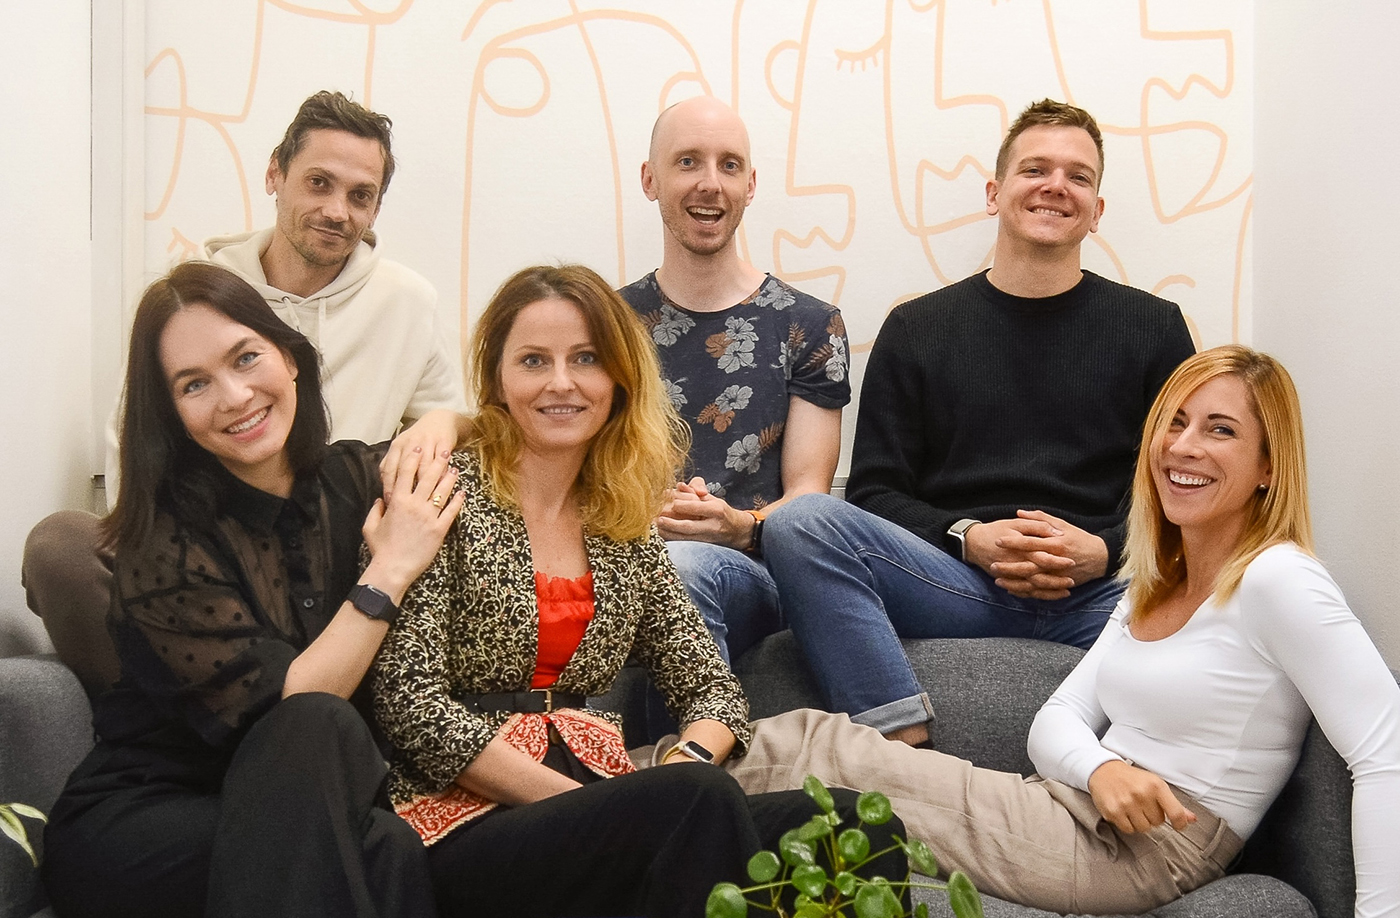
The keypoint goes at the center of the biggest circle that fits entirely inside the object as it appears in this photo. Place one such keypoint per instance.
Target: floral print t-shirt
(730, 374)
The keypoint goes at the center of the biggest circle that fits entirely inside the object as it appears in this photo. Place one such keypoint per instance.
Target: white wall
(1326, 246)
(46, 349)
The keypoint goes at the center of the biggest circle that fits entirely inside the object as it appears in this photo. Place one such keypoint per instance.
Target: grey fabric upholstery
(1230, 897)
(45, 730)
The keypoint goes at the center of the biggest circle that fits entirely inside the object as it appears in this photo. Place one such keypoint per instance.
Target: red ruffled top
(566, 608)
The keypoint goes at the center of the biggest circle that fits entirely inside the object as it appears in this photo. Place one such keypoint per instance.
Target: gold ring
(437, 501)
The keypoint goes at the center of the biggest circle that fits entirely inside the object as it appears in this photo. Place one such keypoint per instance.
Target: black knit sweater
(976, 403)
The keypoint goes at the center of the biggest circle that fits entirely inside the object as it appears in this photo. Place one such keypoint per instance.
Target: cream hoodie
(384, 358)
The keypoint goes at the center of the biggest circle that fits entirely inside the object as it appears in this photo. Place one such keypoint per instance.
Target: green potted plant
(839, 891)
(11, 825)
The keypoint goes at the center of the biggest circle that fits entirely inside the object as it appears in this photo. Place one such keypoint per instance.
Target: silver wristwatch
(959, 533)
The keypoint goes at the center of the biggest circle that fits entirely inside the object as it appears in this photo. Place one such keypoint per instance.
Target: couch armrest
(45, 730)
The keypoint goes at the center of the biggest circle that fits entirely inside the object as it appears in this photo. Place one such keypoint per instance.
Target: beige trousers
(1027, 840)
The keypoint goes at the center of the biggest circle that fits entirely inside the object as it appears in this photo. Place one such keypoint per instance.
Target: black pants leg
(124, 845)
(653, 843)
(299, 833)
(293, 832)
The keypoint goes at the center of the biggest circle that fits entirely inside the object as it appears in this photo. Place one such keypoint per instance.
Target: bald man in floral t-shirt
(758, 369)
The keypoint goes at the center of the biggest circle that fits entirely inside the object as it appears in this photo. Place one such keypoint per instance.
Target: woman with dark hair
(231, 775)
(552, 578)
(1161, 751)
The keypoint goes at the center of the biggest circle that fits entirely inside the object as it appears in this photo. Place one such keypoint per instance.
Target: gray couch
(985, 692)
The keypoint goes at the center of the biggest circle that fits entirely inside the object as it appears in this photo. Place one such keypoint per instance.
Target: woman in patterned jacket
(551, 579)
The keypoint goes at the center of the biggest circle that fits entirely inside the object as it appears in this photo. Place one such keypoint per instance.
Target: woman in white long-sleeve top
(1163, 749)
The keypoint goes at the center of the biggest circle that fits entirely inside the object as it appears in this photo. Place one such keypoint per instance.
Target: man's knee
(68, 583)
(58, 545)
(806, 518)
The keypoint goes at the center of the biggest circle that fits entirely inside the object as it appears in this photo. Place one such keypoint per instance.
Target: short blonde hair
(1154, 564)
(643, 444)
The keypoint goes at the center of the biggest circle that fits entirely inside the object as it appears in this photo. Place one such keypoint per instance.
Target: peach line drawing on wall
(498, 47)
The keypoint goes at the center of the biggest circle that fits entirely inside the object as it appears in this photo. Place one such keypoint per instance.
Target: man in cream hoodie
(374, 321)
(384, 358)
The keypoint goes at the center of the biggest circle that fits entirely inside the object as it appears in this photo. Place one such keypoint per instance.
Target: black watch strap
(373, 602)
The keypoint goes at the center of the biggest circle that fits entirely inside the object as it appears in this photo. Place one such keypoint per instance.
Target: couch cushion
(45, 730)
(1232, 896)
(985, 691)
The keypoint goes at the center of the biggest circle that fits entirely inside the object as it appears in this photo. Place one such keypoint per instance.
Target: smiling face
(1049, 194)
(1209, 462)
(700, 174)
(328, 197)
(552, 381)
(235, 393)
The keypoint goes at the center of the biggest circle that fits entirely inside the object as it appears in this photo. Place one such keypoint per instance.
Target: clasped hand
(1036, 555)
(1134, 799)
(692, 513)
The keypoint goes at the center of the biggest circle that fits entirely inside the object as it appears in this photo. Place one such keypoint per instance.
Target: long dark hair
(160, 464)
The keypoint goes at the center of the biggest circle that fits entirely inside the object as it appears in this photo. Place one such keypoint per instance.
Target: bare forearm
(341, 655)
(506, 775)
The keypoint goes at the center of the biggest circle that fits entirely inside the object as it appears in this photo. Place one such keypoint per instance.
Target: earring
(1263, 489)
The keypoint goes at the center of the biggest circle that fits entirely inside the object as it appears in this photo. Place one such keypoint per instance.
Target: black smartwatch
(373, 602)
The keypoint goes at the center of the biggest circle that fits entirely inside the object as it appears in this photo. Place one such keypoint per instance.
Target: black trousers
(652, 843)
(291, 828)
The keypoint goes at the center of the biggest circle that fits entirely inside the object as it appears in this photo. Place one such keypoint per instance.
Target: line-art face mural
(521, 127)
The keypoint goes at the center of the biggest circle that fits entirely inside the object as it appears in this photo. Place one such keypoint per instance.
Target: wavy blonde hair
(1154, 564)
(637, 454)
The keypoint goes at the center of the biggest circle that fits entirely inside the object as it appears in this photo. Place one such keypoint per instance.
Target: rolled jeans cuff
(906, 712)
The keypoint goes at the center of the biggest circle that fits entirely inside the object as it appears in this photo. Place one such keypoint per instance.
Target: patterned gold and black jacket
(469, 625)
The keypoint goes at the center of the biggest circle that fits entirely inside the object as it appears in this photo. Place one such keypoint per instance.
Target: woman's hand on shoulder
(405, 528)
(435, 434)
(1134, 799)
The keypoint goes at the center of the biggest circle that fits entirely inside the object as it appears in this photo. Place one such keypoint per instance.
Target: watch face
(373, 603)
(697, 752)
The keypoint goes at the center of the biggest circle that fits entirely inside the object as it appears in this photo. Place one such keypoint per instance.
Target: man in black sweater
(999, 420)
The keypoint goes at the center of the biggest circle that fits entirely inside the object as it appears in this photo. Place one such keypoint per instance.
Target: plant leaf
(817, 791)
(25, 810)
(726, 901)
(963, 896)
(809, 879)
(811, 910)
(764, 866)
(11, 826)
(921, 910)
(874, 901)
(794, 850)
(921, 858)
(874, 808)
(845, 883)
(854, 845)
(814, 829)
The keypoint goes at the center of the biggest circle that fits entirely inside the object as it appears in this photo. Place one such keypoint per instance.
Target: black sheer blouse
(208, 614)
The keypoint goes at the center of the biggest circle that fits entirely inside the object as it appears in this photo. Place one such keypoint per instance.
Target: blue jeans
(734, 592)
(738, 601)
(853, 584)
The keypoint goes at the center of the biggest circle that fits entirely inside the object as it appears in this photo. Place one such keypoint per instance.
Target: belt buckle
(548, 700)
